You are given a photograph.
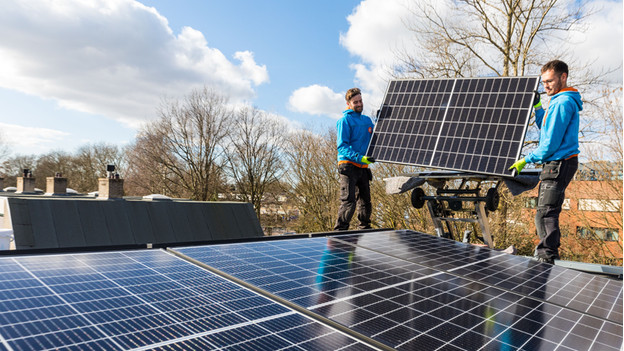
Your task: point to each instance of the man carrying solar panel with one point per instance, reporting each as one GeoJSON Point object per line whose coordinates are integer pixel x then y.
{"type": "Point", "coordinates": [557, 151]}
{"type": "Point", "coordinates": [354, 134]}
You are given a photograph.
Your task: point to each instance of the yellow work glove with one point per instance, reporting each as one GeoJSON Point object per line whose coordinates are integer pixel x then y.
{"type": "Point", "coordinates": [368, 160]}
{"type": "Point", "coordinates": [518, 165]}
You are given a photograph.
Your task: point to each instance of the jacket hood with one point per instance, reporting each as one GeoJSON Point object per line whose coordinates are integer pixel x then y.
{"type": "Point", "coordinates": [570, 93]}
{"type": "Point", "coordinates": [350, 112]}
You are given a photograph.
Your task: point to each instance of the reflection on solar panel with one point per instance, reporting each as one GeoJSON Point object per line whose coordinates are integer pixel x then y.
{"type": "Point", "coordinates": [412, 291]}
{"type": "Point", "coordinates": [586, 293]}
{"type": "Point", "coordinates": [143, 300]}
{"type": "Point", "coordinates": [466, 124]}
{"type": "Point", "coordinates": [400, 289]}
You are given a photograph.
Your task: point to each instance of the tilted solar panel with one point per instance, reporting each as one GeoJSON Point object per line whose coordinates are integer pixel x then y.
{"type": "Point", "coordinates": [466, 124]}
{"type": "Point", "coordinates": [385, 286]}
{"type": "Point", "coordinates": [143, 300]}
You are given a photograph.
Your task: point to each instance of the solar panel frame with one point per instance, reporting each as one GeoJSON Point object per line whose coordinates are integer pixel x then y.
{"type": "Point", "coordinates": [433, 122]}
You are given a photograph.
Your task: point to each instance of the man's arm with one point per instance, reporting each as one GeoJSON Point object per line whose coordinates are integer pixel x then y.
{"type": "Point", "coordinates": [343, 141]}
{"type": "Point", "coordinates": [539, 117]}
{"type": "Point", "coordinates": [553, 129]}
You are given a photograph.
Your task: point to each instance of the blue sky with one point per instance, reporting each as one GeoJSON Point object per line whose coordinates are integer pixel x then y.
{"type": "Point", "coordinates": [75, 72]}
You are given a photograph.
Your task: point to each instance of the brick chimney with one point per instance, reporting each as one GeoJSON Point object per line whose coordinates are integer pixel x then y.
{"type": "Point", "coordinates": [56, 185]}
{"type": "Point", "coordinates": [110, 187]}
{"type": "Point", "coordinates": [26, 183]}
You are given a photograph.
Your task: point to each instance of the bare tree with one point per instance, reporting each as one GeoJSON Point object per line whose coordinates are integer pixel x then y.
{"type": "Point", "coordinates": [89, 164]}
{"type": "Point", "coordinates": [476, 37]}
{"type": "Point", "coordinates": [4, 147]}
{"type": "Point", "coordinates": [254, 153]}
{"type": "Point", "coordinates": [146, 174]}
{"type": "Point", "coordinates": [14, 166]}
{"type": "Point", "coordinates": [396, 210]}
{"type": "Point", "coordinates": [185, 146]}
{"type": "Point", "coordinates": [51, 163]}
{"type": "Point", "coordinates": [314, 177]}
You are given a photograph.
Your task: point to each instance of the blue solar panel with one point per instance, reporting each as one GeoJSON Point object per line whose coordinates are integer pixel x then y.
{"type": "Point", "coordinates": [143, 300]}
{"type": "Point", "coordinates": [402, 299]}
{"type": "Point", "coordinates": [403, 289]}
{"type": "Point", "coordinates": [587, 293]}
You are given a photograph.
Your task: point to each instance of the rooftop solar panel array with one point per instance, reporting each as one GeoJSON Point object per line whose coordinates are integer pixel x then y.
{"type": "Point", "coordinates": [466, 124]}
{"type": "Point", "coordinates": [379, 290]}
{"type": "Point", "coordinates": [143, 300]}
{"type": "Point", "coordinates": [406, 290]}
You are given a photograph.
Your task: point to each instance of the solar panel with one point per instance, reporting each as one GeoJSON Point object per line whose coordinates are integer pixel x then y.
{"type": "Point", "coordinates": [587, 293]}
{"type": "Point", "coordinates": [386, 287]}
{"type": "Point", "coordinates": [143, 300]}
{"type": "Point", "coordinates": [466, 124]}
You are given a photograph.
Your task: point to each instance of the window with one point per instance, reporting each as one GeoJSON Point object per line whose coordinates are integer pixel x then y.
{"type": "Point", "coordinates": [531, 202]}
{"type": "Point", "coordinates": [566, 204]}
{"type": "Point", "coordinates": [599, 205]}
{"type": "Point", "coordinates": [606, 234]}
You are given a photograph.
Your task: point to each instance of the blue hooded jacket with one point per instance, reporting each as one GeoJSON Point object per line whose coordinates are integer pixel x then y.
{"type": "Point", "coordinates": [354, 134]}
{"type": "Point", "coordinates": [559, 128]}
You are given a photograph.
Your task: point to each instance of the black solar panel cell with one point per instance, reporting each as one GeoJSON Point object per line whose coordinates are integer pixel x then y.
{"type": "Point", "coordinates": [447, 114]}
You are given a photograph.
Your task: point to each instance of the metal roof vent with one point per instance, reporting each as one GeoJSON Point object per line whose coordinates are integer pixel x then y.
{"type": "Point", "coordinates": [156, 197]}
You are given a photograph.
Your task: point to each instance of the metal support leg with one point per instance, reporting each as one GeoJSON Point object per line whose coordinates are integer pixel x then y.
{"type": "Point", "coordinates": [484, 223]}
{"type": "Point", "coordinates": [437, 223]}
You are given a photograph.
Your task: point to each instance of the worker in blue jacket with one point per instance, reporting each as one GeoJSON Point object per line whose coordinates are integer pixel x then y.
{"type": "Point", "coordinates": [354, 134]}
{"type": "Point", "coordinates": [557, 151]}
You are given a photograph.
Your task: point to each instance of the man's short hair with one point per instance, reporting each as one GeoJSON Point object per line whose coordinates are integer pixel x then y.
{"type": "Point", "coordinates": [351, 93]}
{"type": "Point", "coordinates": [557, 66]}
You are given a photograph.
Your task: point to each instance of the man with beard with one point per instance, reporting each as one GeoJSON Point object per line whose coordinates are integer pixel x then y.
{"type": "Point", "coordinates": [354, 134]}
{"type": "Point", "coordinates": [557, 150]}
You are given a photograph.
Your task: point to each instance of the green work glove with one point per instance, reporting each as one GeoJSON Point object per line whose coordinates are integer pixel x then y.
{"type": "Point", "coordinates": [519, 165]}
{"type": "Point", "coordinates": [367, 160]}
{"type": "Point", "coordinates": [537, 103]}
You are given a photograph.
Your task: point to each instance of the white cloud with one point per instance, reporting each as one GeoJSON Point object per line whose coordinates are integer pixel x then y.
{"type": "Point", "coordinates": [27, 140]}
{"type": "Point", "coordinates": [317, 100]}
{"type": "Point", "coordinates": [601, 43]}
{"type": "Point", "coordinates": [378, 33]}
{"type": "Point", "coordinates": [258, 74]}
{"type": "Point", "coordinates": [290, 125]}
{"type": "Point", "coordinates": [115, 58]}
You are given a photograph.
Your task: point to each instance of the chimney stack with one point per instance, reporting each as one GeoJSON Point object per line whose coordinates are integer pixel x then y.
{"type": "Point", "coordinates": [110, 187]}
{"type": "Point", "coordinates": [56, 185]}
{"type": "Point", "coordinates": [26, 183]}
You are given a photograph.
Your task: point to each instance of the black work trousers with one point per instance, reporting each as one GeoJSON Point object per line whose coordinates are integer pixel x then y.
{"type": "Point", "coordinates": [555, 177]}
{"type": "Point", "coordinates": [354, 192]}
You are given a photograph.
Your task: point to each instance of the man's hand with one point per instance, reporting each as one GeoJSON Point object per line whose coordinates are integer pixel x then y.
{"type": "Point", "coordinates": [368, 160]}
{"type": "Point", "coordinates": [519, 165]}
{"type": "Point", "coordinates": [537, 102]}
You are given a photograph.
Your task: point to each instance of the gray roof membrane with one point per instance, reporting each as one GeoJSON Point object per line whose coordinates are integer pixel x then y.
{"type": "Point", "coordinates": [44, 223]}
